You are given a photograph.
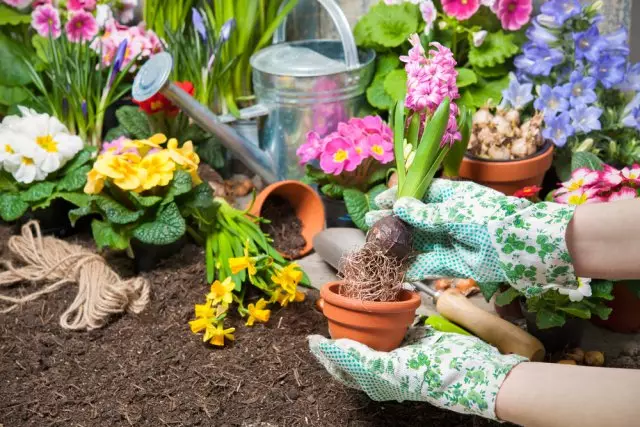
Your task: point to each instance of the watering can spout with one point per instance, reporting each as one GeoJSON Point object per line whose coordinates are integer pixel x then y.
{"type": "Point", "coordinates": [153, 78]}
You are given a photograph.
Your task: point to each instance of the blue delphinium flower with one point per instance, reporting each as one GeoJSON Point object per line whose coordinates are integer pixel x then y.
{"type": "Point", "coordinates": [581, 89]}
{"type": "Point", "coordinates": [585, 119]}
{"type": "Point", "coordinates": [540, 35]}
{"type": "Point", "coordinates": [561, 10]}
{"type": "Point", "coordinates": [539, 60]}
{"type": "Point", "coordinates": [198, 23]}
{"type": "Point", "coordinates": [610, 70]}
{"type": "Point", "coordinates": [552, 100]}
{"type": "Point", "coordinates": [631, 81]}
{"type": "Point", "coordinates": [631, 113]}
{"type": "Point", "coordinates": [589, 44]}
{"type": "Point", "coordinates": [617, 42]}
{"type": "Point", "coordinates": [558, 129]}
{"type": "Point", "coordinates": [517, 95]}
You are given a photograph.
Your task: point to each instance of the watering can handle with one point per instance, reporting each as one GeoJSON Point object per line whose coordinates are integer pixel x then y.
{"type": "Point", "coordinates": [341, 23]}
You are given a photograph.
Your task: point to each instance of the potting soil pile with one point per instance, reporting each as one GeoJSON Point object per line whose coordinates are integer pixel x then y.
{"type": "Point", "coordinates": [284, 227]}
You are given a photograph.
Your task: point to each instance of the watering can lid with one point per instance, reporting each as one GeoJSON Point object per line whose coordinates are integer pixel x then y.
{"type": "Point", "coordinates": [296, 60]}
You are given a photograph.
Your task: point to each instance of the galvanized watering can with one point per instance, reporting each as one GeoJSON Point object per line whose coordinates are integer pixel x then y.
{"type": "Point", "coordinates": [300, 86]}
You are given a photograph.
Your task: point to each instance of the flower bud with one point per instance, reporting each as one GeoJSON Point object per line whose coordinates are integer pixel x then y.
{"type": "Point", "coordinates": [479, 38]}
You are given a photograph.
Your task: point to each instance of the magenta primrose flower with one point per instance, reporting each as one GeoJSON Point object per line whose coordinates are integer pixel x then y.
{"type": "Point", "coordinates": [81, 5]}
{"type": "Point", "coordinates": [624, 193]}
{"type": "Point", "coordinates": [311, 149]}
{"type": "Point", "coordinates": [607, 185]}
{"type": "Point", "coordinates": [460, 9]}
{"type": "Point", "coordinates": [632, 174]}
{"type": "Point", "coordinates": [45, 20]}
{"type": "Point", "coordinates": [339, 155]}
{"type": "Point", "coordinates": [81, 27]}
{"type": "Point", "coordinates": [514, 14]}
{"type": "Point", "coordinates": [19, 4]}
{"type": "Point", "coordinates": [117, 146]}
{"type": "Point", "coordinates": [611, 176]}
{"type": "Point", "coordinates": [380, 148]}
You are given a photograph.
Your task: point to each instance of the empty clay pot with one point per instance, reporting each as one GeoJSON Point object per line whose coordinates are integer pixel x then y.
{"type": "Point", "coordinates": [306, 202]}
{"type": "Point", "coordinates": [379, 325]}
{"type": "Point", "coordinates": [509, 176]}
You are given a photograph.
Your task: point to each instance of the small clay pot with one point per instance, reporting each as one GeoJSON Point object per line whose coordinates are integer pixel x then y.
{"type": "Point", "coordinates": [336, 213]}
{"type": "Point", "coordinates": [147, 257]}
{"type": "Point", "coordinates": [625, 317]}
{"type": "Point", "coordinates": [304, 200]}
{"type": "Point", "coordinates": [557, 339]}
{"type": "Point", "coordinates": [379, 325]}
{"type": "Point", "coordinates": [508, 176]}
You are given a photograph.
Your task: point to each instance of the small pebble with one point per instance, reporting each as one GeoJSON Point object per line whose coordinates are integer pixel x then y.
{"type": "Point", "coordinates": [594, 358]}
{"type": "Point", "coordinates": [567, 362]}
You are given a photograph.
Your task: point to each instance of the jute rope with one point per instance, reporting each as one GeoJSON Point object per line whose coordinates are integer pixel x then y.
{"type": "Point", "coordinates": [101, 291]}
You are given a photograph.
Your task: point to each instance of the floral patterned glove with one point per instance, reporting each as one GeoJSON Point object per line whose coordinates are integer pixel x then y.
{"type": "Point", "coordinates": [451, 371]}
{"type": "Point", "coordinates": [466, 230]}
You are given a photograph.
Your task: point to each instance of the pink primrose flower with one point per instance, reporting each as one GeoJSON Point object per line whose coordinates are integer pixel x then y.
{"type": "Point", "coordinates": [311, 149]}
{"type": "Point", "coordinates": [632, 174]}
{"type": "Point", "coordinates": [339, 155]}
{"type": "Point", "coordinates": [460, 9]}
{"type": "Point", "coordinates": [74, 5]}
{"type": "Point", "coordinates": [579, 197]}
{"type": "Point", "coordinates": [610, 177]}
{"type": "Point", "coordinates": [45, 20]}
{"type": "Point", "coordinates": [380, 148]}
{"type": "Point", "coordinates": [624, 193]}
{"type": "Point", "coordinates": [81, 27]}
{"type": "Point", "coordinates": [514, 14]}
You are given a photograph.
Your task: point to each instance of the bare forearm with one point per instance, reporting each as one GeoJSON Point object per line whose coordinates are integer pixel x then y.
{"type": "Point", "coordinates": [549, 395]}
{"type": "Point", "coordinates": [604, 240]}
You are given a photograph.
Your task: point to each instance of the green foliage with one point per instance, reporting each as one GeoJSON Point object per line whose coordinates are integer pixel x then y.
{"type": "Point", "coordinates": [210, 151]}
{"type": "Point", "coordinates": [507, 297]}
{"type": "Point", "coordinates": [167, 227]}
{"type": "Point", "coordinates": [377, 96]}
{"type": "Point", "coordinates": [11, 16]}
{"type": "Point", "coordinates": [14, 73]}
{"type": "Point", "coordinates": [74, 180]}
{"type": "Point", "coordinates": [584, 159]}
{"type": "Point", "coordinates": [466, 77]}
{"type": "Point", "coordinates": [477, 95]}
{"type": "Point", "coordinates": [395, 84]}
{"type": "Point", "coordinates": [496, 49]}
{"type": "Point", "coordinates": [333, 191]}
{"type": "Point", "coordinates": [387, 26]}
{"type": "Point", "coordinates": [359, 203]}
{"type": "Point", "coordinates": [106, 236]}
{"type": "Point", "coordinates": [12, 207]}
{"type": "Point", "coordinates": [134, 121]}
{"type": "Point", "coordinates": [180, 184]}
{"type": "Point", "coordinates": [38, 191]}
{"type": "Point", "coordinates": [489, 289]}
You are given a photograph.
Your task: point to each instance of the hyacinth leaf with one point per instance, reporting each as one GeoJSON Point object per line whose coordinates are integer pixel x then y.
{"type": "Point", "coordinates": [114, 211]}
{"type": "Point", "coordinates": [466, 77]}
{"type": "Point", "coordinates": [398, 141]}
{"type": "Point", "coordinates": [377, 96]}
{"type": "Point", "coordinates": [496, 49]}
{"type": "Point", "coordinates": [12, 207]}
{"type": "Point", "coordinates": [395, 84]}
{"type": "Point", "coordinates": [546, 319]}
{"type": "Point", "coordinates": [135, 121]}
{"type": "Point", "coordinates": [167, 227]}
{"type": "Point", "coordinates": [11, 16]}
{"type": "Point", "coordinates": [106, 236]}
{"type": "Point", "coordinates": [38, 191]}
{"type": "Point", "coordinates": [74, 180]}
{"type": "Point", "coordinates": [426, 181]}
{"type": "Point", "coordinates": [584, 159]}
{"type": "Point", "coordinates": [414, 130]}
{"type": "Point", "coordinates": [453, 160]}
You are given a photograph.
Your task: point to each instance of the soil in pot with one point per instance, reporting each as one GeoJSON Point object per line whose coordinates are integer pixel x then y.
{"type": "Point", "coordinates": [336, 213]}
{"type": "Point", "coordinates": [284, 226]}
{"type": "Point", "coordinates": [556, 339]}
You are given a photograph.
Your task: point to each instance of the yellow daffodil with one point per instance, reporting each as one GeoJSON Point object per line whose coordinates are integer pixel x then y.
{"type": "Point", "coordinates": [186, 157]}
{"type": "Point", "coordinates": [240, 263]}
{"type": "Point", "coordinates": [95, 182]}
{"type": "Point", "coordinates": [217, 334]}
{"type": "Point", "coordinates": [258, 312]}
{"type": "Point", "coordinates": [221, 292]}
{"type": "Point", "coordinates": [288, 277]}
{"type": "Point", "coordinates": [204, 317]}
{"type": "Point", "coordinates": [284, 298]}
{"type": "Point", "coordinates": [124, 170]}
{"type": "Point", "coordinates": [158, 169]}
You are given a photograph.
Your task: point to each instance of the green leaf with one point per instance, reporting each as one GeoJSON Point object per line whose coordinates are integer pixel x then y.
{"type": "Point", "coordinates": [373, 193]}
{"type": "Point", "coordinates": [144, 201]}
{"type": "Point", "coordinates": [377, 96]}
{"type": "Point", "coordinates": [79, 160]}
{"type": "Point", "coordinates": [489, 289]}
{"type": "Point", "coordinates": [378, 176]}
{"type": "Point", "coordinates": [115, 133]}
{"type": "Point", "coordinates": [135, 121]}
{"type": "Point", "coordinates": [577, 310]}
{"type": "Point", "coordinates": [77, 213]}
{"type": "Point", "coordinates": [13, 95]}
{"type": "Point", "coordinates": [74, 180]}
{"type": "Point", "coordinates": [466, 77]}
{"type": "Point", "coordinates": [194, 133]}
{"type": "Point", "coordinates": [12, 207]}
{"type": "Point", "coordinates": [395, 84]}
{"type": "Point", "coordinates": [180, 184]}
{"type": "Point", "coordinates": [106, 236]}
{"type": "Point", "coordinates": [602, 289]}
{"type": "Point", "coordinates": [601, 310]}
{"type": "Point", "coordinates": [167, 227]}
{"type": "Point", "coordinates": [114, 211]}
{"type": "Point", "coordinates": [390, 26]}
{"type": "Point", "coordinates": [386, 64]}
{"type": "Point", "coordinates": [499, 70]}
{"type": "Point", "coordinates": [38, 191]}
{"type": "Point", "coordinates": [546, 319]}
{"type": "Point", "coordinates": [11, 16]}
{"type": "Point", "coordinates": [201, 197]}
{"type": "Point", "coordinates": [78, 199]}
{"type": "Point", "coordinates": [507, 297]}
{"type": "Point", "coordinates": [314, 175]}
{"type": "Point", "coordinates": [211, 152]}
{"type": "Point", "coordinates": [357, 206]}
{"type": "Point", "coordinates": [13, 69]}
{"type": "Point", "coordinates": [7, 183]}
{"type": "Point", "coordinates": [333, 191]}
{"type": "Point", "coordinates": [41, 46]}
{"type": "Point", "coordinates": [480, 94]}
{"type": "Point", "coordinates": [583, 159]}
{"type": "Point", "coordinates": [495, 50]}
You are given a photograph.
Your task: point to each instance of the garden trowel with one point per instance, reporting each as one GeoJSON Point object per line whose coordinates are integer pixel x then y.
{"type": "Point", "coordinates": [332, 244]}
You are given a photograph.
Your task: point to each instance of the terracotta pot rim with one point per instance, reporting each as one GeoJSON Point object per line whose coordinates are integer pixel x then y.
{"type": "Point", "coordinates": [546, 150]}
{"type": "Point", "coordinates": [410, 301]}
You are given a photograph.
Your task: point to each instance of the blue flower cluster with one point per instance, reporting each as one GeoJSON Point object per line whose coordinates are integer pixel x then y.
{"type": "Point", "coordinates": [571, 68]}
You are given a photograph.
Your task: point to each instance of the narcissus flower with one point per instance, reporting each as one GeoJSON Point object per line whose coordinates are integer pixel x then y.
{"type": "Point", "coordinates": [205, 314]}
{"type": "Point", "coordinates": [258, 313]}
{"type": "Point", "coordinates": [221, 292]}
{"type": "Point", "coordinates": [240, 263]}
{"type": "Point", "coordinates": [217, 334]}
{"type": "Point", "coordinates": [284, 298]}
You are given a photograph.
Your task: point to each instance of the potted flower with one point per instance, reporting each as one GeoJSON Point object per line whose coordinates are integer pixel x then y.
{"type": "Point", "coordinates": [583, 84]}
{"type": "Point", "coordinates": [146, 193]}
{"type": "Point", "coordinates": [43, 169]}
{"type": "Point", "coordinates": [350, 167]}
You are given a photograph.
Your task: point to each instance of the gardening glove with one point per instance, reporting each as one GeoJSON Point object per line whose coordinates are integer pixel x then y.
{"type": "Point", "coordinates": [451, 371]}
{"type": "Point", "coordinates": [463, 229]}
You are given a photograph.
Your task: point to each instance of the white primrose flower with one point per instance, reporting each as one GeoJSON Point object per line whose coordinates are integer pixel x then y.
{"type": "Point", "coordinates": [583, 290]}
{"type": "Point", "coordinates": [23, 162]}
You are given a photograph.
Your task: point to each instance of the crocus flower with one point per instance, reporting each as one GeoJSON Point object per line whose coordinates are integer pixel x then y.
{"type": "Point", "coordinates": [589, 44]}
{"type": "Point", "coordinates": [624, 193]}
{"type": "Point", "coordinates": [585, 119]}
{"type": "Point", "coordinates": [460, 9]}
{"type": "Point", "coordinates": [610, 70]}
{"type": "Point", "coordinates": [631, 174]}
{"type": "Point", "coordinates": [514, 14]}
{"type": "Point", "coordinates": [81, 27]}
{"type": "Point", "coordinates": [517, 95]}
{"type": "Point", "coordinates": [552, 100]}
{"type": "Point", "coordinates": [576, 295]}
{"type": "Point", "coordinates": [311, 149]}
{"type": "Point", "coordinates": [581, 89]}
{"type": "Point", "coordinates": [45, 20]}
{"type": "Point", "coordinates": [339, 154]}
{"type": "Point", "coordinates": [429, 14]}
{"type": "Point", "coordinates": [75, 5]}
{"type": "Point", "coordinates": [198, 23]}
{"type": "Point", "coordinates": [227, 28]}
{"type": "Point", "coordinates": [631, 113]}
{"type": "Point", "coordinates": [561, 10]}
{"type": "Point", "coordinates": [558, 129]}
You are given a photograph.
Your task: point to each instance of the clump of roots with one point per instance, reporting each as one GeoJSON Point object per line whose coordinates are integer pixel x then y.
{"type": "Point", "coordinates": [370, 274]}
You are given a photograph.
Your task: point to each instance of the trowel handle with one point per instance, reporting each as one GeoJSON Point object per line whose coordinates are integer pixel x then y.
{"type": "Point", "coordinates": [507, 337]}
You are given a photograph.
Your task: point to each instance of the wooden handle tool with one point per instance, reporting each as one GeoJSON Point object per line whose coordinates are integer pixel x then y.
{"type": "Point", "coordinates": [507, 337]}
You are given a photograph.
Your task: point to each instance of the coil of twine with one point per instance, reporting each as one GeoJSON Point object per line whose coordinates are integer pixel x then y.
{"type": "Point", "coordinates": [101, 291]}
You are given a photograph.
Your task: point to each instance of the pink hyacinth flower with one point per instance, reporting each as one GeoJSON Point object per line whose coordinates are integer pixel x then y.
{"type": "Point", "coordinates": [75, 5]}
{"type": "Point", "coordinates": [580, 196]}
{"type": "Point", "coordinates": [45, 20]}
{"type": "Point", "coordinates": [339, 155]}
{"type": "Point", "coordinates": [18, 4]}
{"type": "Point", "coordinates": [82, 27]}
{"type": "Point", "coordinates": [311, 149]}
{"type": "Point", "coordinates": [514, 14]}
{"type": "Point", "coordinates": [632, 174]}
{"type": "Point", "coordinates": [460, 9]}
{"type": "Point", "coordinates": [625, 193]}
{"type": "Point", "coordinates": [380, 148]}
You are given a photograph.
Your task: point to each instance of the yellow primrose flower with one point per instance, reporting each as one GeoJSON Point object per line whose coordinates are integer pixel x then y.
{"type": "Point", "coordinates": [221, 291]}
{"type": "Point", "coordinates": [159, 169]}
{"type": "Point", "coordinates": [258, 312]}
{"type": "Point", "coordinates": [186, 157]}
{"type": "Point", "coordinates": [240, 263]}
{"type": "Point", "coordinates": [124, 170]}
{"type": "Point", "coordinates": [95, 182]}
{"type": "Point", "coordinates": [216, 334]}
{"type": "Point", "coordinates": [204, 317]}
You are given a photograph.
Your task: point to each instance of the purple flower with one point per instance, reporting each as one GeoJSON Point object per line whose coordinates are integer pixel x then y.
{"type": "Point", "coordinates": [225, 31]}
{"type": "Point", "coordinates": [589, 44]}
{"type": "Point", "coordinates": [539, 60]}
{"type": "Point", "coordinates": [517, 95]}
{"type": "Point", "coordinates": [552, 100]}
{"type": "Point", "coordinates": [198, 23]}
{"type": "Point", "coordinates": [631, 81]}
{"type": "Point", "coordinates": [540, 35]}
{"type": "Point", "coordinates": [617, 42]}
{"type": "Point", "coordinates": [117, 61]}
{"type": "Point", "coordinates": [585, 119]}
{"type": "Point", "coordinates": [610, 70]}
{"type": "Point", "coordinates": [561, 10]}
{"type": "Point", "coordinates": [45, 20]}
{"type": "Point", "coordinates": [631, 114]}
{"type": "Point", "coordinates": [581, 89]}
{"type": "Point", "coordinates": [558, 129]}
{"type": "Point", "coordinates": [83, 107]}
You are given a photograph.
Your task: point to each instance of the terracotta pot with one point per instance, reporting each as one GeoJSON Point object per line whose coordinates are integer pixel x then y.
{"type": "Point", "coordinates": [304, 200]}
{"type": "Point", "coordinates": [557, 339]}
{"type": "Point", "coordinates": [625, 316]}
{"type": "Point", "coordinates": [508, 176]}
{"type": "Point", "coordinates": [379, 325]}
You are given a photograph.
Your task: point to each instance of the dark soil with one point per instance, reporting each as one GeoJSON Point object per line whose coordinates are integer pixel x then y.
{"type": "Point", "coordinates": [284, 227]}
{"type": "Point", "coordinates": [150, 370]}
